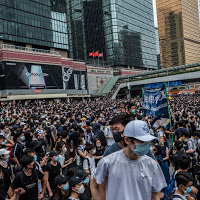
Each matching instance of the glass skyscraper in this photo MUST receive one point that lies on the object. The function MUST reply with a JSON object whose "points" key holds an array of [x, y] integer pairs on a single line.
{"points": [[179, 32], [41, 23], [122, 29]]}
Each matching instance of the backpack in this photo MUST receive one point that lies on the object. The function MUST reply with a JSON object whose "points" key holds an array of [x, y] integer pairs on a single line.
{"points": [[80, 167], [170, 189]]}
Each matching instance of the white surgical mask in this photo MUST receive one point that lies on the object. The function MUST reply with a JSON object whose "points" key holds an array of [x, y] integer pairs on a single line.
{"points": [[81, 189], [71, 150]]}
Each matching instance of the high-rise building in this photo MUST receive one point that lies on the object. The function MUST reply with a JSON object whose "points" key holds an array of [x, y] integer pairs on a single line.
{"points": [[122, 30], [199, 10], [34, 49], [179, 33], [36, 23]]}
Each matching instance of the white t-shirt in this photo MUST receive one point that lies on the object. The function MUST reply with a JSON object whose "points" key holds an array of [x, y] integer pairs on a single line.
{"points": [[91, 164], [129, 179], [108, 132], [61, 159]]}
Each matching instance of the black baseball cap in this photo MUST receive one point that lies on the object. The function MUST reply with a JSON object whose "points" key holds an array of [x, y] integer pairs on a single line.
{"points": [[53, 153], [78, 177], [60, 179], [81, 173]]}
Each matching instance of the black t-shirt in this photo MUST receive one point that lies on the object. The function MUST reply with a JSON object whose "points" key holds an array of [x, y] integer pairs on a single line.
{"points": [[176, 157], [3, 192], [53, 172], [185, 123], [28, 183], [7, 175], [99, 152], [193, 127], [17, 151]]}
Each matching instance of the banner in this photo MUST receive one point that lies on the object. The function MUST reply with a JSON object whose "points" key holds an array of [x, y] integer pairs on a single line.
{"points": [[67, 73], [73, 79], [155, 102], [83, 82], [76, 81], [168, 84]]}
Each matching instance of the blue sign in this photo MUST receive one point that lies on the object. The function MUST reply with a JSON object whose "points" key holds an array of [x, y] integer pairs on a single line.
{"points": [[158, 85], [155, 102]]}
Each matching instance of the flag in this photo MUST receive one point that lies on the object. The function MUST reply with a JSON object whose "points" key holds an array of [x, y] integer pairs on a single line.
{"points": [[76, 81], [155, 102], [96, 54], [83, 82], [159, 121], [100, 54], [91, 54]]}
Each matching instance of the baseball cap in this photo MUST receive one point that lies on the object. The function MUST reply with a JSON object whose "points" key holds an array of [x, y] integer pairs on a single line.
{"points": [[75, 180], [60, 179], [82, 174], [53, 153], [139, 130], [4, 152], [35, 144]]}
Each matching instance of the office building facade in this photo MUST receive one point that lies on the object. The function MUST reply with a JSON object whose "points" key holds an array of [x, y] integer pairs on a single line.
{"points": [[39, 23], [122, 30], [34, 51], [179, 32]]}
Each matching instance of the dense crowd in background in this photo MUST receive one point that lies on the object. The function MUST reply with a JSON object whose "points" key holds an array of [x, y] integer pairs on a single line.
{"points": [[56, 149]]}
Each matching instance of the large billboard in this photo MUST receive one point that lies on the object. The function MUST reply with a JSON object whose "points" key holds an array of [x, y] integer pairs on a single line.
{"points": [[73, 79], [31, 76]]}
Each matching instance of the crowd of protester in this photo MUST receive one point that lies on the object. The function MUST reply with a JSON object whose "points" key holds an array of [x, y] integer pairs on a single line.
{"points": [[98, 149]]}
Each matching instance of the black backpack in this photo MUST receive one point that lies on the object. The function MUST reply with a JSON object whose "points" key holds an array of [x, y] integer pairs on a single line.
{"points": [[80, 167]]}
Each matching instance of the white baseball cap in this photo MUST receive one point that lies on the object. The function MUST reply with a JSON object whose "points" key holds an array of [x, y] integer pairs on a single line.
{"points": [[139, 130], [4, 152]]}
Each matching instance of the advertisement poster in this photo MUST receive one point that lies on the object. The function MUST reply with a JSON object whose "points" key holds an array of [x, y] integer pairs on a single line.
{"points": [[73, 79], [32, 76]]}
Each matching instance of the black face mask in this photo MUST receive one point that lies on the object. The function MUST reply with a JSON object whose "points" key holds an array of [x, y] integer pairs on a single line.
{"points": [[117, 136]]}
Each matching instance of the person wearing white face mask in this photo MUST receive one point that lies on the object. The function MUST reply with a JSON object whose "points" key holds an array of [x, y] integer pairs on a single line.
{"points": [[5, 166], [140, 177], [76, 187], [184, 182], [63, 150], [71, 154], [89, 161]]}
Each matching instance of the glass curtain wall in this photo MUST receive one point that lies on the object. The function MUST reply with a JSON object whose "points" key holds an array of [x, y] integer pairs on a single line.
{"points": [[34, 22], [123, 30]]}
